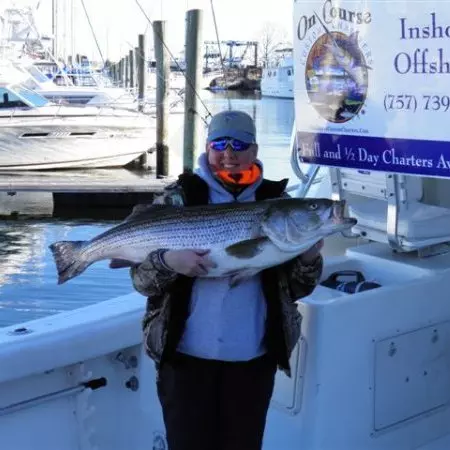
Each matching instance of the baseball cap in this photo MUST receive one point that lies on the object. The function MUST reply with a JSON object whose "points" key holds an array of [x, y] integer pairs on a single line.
{"points": [[233, 124]]}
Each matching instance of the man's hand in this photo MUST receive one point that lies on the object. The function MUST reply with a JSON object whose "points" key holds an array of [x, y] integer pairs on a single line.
{"points": [[311, 254], [193, 263]]}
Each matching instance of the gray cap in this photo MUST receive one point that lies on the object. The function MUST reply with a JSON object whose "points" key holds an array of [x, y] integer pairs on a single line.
{"points": [[234, 124]]}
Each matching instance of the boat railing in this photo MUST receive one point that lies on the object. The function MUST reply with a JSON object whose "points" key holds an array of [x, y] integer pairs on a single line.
{"points": [[306, 179], [13, 111], [57, 113]]}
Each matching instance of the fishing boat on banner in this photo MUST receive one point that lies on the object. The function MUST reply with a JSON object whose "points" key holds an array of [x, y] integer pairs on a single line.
{"points": [[372, 368]]}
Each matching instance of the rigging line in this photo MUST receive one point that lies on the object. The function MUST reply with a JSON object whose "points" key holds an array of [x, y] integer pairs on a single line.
{"points": [[176, 62], [49, 53], [176, 91], [220, 53], [28, 34], [93, 32], [140, 54]]}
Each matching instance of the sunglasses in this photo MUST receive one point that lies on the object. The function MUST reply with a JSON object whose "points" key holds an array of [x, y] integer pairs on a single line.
{"points": [[221, 144]]}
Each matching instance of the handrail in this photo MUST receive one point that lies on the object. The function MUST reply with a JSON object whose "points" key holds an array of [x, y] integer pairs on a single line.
{"points": [[308, 179]]}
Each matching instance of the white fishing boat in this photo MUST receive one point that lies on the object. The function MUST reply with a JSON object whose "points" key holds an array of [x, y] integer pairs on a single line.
{"points": [[278, 81], [38, 134], [372, 368]]}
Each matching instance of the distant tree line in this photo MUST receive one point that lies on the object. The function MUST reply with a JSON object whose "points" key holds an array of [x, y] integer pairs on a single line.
{"points": [[271, 38]]}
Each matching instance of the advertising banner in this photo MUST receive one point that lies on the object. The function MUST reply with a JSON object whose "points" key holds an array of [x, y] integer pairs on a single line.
{"points": [[372, 84]]}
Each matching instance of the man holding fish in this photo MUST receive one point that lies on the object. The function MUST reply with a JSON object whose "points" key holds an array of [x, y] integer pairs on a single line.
{"points": [[218, 340], [222, 256]]}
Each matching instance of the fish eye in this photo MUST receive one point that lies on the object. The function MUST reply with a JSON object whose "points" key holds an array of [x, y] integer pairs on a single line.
{"points": [[313, 206]]}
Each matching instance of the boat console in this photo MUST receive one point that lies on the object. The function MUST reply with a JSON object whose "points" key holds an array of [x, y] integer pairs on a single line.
{"points": [[372, 369]]}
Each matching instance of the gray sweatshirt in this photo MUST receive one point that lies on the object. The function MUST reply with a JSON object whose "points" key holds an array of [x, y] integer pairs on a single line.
{"points": [[225, 323]]}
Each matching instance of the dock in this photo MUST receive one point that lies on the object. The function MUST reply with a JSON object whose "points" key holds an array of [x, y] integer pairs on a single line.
{"points": [[100, 193], [88, 181]]}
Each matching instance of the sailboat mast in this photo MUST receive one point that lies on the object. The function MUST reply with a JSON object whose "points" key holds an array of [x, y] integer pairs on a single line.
{"points": [[55, 28]]}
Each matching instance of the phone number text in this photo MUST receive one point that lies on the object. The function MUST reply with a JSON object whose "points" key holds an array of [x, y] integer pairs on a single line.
{"points": [[406, 102]]}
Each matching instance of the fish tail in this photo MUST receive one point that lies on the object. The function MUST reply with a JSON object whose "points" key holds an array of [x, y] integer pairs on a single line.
{"points": [[68, 260]]}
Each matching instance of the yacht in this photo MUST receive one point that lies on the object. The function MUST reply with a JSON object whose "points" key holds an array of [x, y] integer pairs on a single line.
{"points": [[70, 89], [38, 134]]}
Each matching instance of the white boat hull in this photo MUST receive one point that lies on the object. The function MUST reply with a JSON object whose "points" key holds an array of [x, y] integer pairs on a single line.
{"points": [[371, 371], [278, 81], [273, 88], [35, 142]]}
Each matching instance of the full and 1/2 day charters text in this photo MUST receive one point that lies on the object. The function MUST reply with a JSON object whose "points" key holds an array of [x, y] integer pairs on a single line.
{"points": [[389, 157]]}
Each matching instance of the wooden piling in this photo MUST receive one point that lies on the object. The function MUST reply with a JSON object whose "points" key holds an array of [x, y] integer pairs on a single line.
{"points": [[132, 69], [120, 77], [136, 63], [142, 72], [162, 98], [127, 71], [193, 74]]}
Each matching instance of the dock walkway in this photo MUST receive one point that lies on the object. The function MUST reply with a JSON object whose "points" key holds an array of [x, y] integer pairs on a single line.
{"points": [[89, 181]]}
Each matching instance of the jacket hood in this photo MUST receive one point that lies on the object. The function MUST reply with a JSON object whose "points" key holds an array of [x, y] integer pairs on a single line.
{"points": [[218, 192]]}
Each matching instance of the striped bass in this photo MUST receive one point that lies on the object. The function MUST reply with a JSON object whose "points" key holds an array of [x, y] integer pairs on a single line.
{"points": [[243, 238]]}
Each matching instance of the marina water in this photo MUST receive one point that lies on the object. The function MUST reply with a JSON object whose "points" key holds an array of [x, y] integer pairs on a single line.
{"points": [[28, 278]]}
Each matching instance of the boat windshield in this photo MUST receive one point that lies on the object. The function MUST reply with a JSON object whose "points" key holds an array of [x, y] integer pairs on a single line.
{"points": [[31, 98], [81, 79], [9, 99], [38, 75]]}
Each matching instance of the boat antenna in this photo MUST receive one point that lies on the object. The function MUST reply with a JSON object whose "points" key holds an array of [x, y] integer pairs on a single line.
{"points": [[138, 3], [93, 32], [220, 53]]}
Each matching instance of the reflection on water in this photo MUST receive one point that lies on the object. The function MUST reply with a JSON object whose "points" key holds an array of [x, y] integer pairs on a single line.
{"points": [[28, 280]]}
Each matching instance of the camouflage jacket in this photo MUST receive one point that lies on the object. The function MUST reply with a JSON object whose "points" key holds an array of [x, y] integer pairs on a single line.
{"points": [[168, 293]]}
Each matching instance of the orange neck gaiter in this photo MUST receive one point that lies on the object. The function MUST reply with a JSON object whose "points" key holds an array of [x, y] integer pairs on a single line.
{"points": [[243, 178]]}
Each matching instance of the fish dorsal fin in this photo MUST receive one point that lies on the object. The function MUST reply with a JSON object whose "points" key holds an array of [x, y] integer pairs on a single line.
{"points": [[140, 212]]}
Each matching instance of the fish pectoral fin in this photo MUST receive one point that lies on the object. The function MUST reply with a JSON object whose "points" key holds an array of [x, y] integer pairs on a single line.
{"points": [[242, 275], [120, 263], [246, 249]]}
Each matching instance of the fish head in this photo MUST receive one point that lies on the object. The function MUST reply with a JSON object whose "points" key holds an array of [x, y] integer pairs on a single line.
{"points": [[340, 54], [347, 53], [291, 222], [307, 214]]}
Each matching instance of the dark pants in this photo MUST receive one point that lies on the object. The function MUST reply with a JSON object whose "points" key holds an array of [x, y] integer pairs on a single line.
{"points": [[215, 405]]}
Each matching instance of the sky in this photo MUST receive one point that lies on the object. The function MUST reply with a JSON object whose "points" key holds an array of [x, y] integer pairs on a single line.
{"points": [[117, 23]]}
